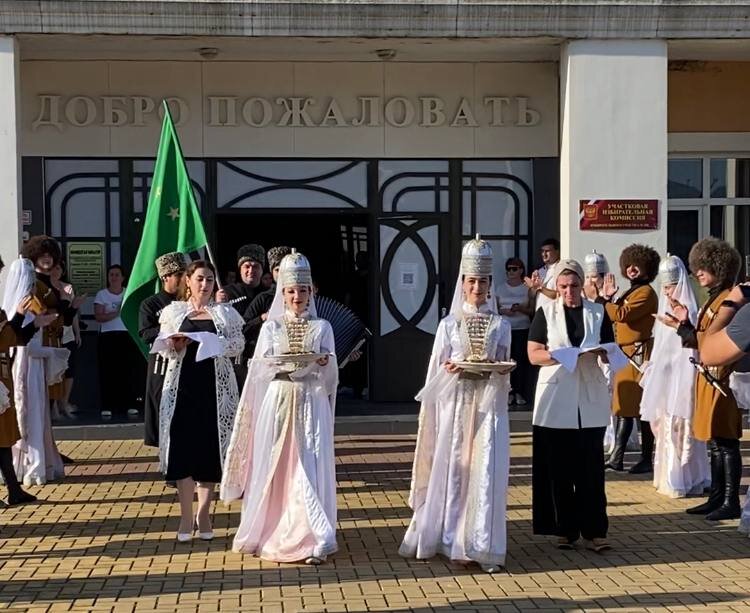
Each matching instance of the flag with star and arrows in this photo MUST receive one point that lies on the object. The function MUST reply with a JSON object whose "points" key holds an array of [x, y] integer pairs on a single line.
{"points": [[173, 223]]}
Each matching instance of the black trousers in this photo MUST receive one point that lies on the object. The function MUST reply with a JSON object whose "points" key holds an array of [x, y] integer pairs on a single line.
{"points": [[568, 497], [520, 376], [154, 382], [122, 372]]}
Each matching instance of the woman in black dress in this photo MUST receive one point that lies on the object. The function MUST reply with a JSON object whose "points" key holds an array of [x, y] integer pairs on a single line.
{"points": [[199, 398]]}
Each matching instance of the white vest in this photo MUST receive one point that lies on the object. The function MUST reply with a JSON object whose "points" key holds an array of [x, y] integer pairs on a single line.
{"points": [[561, 395]]}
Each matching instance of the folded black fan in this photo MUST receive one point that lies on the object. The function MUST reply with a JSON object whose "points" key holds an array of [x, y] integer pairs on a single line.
{"points": [[349, 333]]}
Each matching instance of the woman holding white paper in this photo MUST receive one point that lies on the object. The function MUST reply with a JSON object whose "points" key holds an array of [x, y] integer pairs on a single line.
{"points": [[281, 458], [571, 413], [199, 397]]}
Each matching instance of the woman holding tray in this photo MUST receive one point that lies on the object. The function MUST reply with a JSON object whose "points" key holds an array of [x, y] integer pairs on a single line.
{"points": [[281, 454], [571, 412], [199, 398], [460, 475]]}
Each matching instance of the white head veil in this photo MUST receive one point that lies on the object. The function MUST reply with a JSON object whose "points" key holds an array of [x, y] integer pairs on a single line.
{"points": [[18, 285], [293, 270], [476, 260], [669, 379]]}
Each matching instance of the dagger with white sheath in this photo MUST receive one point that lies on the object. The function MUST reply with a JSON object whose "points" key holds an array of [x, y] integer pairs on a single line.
{"points": [[713, 381]]}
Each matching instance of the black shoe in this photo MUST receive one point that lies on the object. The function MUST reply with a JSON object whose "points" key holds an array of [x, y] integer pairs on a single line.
{"points": [[707, 507], [716, 495], [67, 460], [725, 512], [732, 464], [618, 468], [20, 497], [641, 468]]}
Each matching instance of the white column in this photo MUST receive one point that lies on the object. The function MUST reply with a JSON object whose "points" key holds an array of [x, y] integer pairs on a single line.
{"points": [[10, 150], [613, 141]]}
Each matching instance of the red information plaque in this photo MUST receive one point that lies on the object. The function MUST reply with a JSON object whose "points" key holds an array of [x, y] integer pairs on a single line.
{"points": [[619, 214]]}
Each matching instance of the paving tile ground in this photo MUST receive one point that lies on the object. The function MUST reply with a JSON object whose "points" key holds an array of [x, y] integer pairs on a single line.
{"points": [[104, 540]]}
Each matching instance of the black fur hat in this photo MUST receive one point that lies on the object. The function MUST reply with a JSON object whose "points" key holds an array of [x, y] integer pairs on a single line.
{"points": [[37, 246], [642, 256], [717, 257], [276, 254], [253, 252]]}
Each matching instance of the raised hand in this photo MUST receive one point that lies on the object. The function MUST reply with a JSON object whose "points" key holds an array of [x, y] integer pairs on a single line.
{"points": [[590, 290], [534, 281], [609, 288], [679, 311]]}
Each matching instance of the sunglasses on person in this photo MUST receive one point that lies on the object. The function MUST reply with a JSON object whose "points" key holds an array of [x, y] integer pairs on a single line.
{"points": [[512, 268]]}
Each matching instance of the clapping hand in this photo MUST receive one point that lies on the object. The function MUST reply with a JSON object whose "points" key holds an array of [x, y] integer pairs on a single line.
{"points": [[24, 305], [590, 290], [678, 315], [609, 289], [534, 281]]}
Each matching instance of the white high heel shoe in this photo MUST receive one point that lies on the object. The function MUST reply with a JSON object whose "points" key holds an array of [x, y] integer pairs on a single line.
{"points": [[184, 537], [204, 536]]}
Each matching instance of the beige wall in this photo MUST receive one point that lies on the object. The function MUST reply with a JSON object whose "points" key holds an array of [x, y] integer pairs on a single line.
{"points": [[709, 96], [532, 85]]}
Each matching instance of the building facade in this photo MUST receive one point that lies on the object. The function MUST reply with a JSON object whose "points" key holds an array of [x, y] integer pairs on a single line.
{"points": [[396, 130]]}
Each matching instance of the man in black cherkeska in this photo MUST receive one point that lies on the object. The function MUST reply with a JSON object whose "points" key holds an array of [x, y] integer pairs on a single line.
{"points": [[170, 267], [250, 261], [256, 312]]}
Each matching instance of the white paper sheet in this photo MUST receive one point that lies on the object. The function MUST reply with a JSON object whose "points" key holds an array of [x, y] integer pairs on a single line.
{"points": [[568, 356], [209, 344]]}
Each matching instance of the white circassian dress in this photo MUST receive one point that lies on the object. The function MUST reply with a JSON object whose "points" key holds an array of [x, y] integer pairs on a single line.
{"points": [[281, 456], [35, 367], [461, 463], [681, 466]]}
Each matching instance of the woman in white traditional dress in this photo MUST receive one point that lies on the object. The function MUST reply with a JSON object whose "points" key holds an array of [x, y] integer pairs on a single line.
{"points": [[460, 476], [681, 462], [281, 456], [35, 367], [17, 327], [199, 398]]}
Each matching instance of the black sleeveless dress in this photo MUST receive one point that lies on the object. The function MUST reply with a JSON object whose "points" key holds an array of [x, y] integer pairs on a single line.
{"points": [[194, 433]]}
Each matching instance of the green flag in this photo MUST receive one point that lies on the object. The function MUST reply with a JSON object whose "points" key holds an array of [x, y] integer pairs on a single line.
{"points": [[173, 223]]}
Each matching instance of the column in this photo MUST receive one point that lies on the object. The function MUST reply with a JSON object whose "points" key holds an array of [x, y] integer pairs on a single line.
{"points": [[613, 139], [10, 150]]}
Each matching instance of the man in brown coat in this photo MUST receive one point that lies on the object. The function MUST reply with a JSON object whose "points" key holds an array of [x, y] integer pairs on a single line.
{"points": [[633, 317], [717, 418]]}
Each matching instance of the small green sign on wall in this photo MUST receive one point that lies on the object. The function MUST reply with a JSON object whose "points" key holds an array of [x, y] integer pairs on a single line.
{"points": [[86, 266]]}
